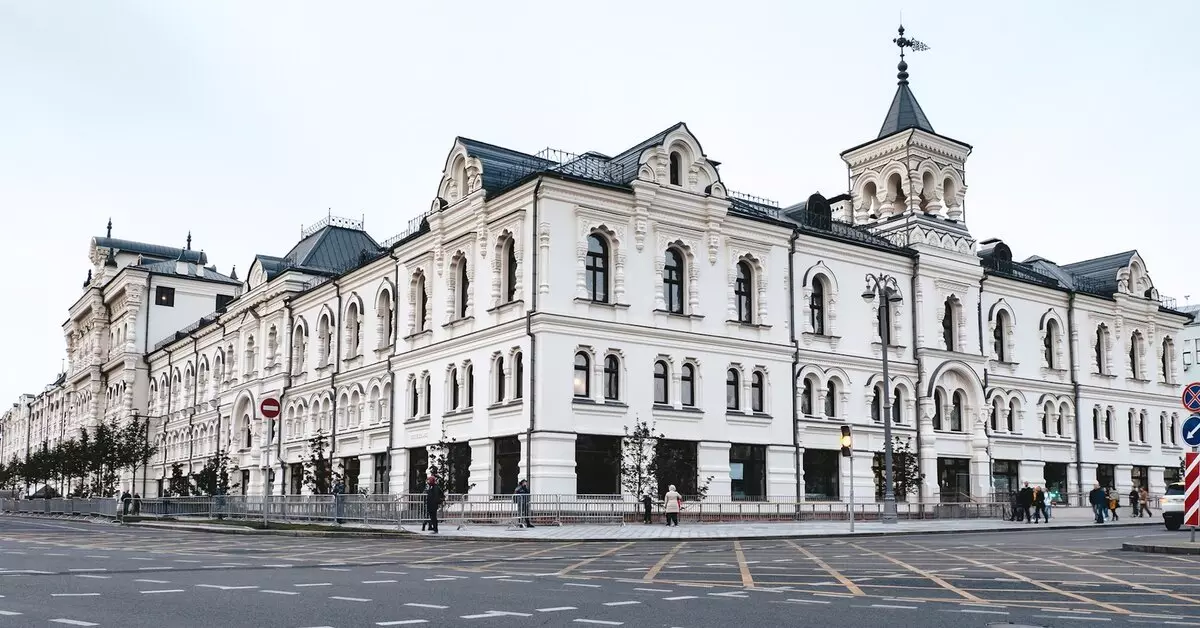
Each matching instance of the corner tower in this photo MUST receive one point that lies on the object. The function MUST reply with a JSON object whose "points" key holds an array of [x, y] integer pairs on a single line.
{"points": [[909, 184]]}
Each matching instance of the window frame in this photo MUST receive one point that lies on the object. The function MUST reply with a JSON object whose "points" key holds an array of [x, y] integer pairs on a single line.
{"points": [[612, 377], [742, 292], [673, 279], [582, 375], [758, 391], [662, 373], [687, 385], [597, 264], [164, 296], [733, 386]]}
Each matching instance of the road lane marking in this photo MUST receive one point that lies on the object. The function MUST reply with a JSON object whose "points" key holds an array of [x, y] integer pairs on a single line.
{"points": [[89, 575], [583, 563], [279, 592], [743, 566], [163, 591], [402, 622], [89, 569], [921, 572], [556, 609], [417, 605], [624, 603], [73, 622], [899, 606], [1076, 618], [316, 584], [223, 587], [580, 584], [600, 622], [9, 613], [837, 575], [680, 597], [74, 594], [375, 582], [652, 590], [349, 599]]}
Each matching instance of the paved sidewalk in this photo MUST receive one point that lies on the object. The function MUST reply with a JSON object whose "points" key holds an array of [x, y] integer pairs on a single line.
{"points": [[1063, 518]]}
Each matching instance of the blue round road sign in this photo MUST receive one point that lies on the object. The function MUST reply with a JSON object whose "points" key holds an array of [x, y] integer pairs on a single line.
{"points": [[1191, 397], [1191, 430]]}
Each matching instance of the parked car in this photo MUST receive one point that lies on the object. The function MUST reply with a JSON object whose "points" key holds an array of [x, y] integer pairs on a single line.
{"points": [[1171, 506]]}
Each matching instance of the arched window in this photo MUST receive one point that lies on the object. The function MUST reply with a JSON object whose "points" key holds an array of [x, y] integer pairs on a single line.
{"points": [[676, 168], [463, 292], [660, 383], [1129, 427], [453, 383], [808, 397], [816, 306], [421, 302], [1135, 357], [1050, 344], [673, 281], [499, 375], [687, 391], [1102, 349], [831, 408], [612, 377], [1168, 354], [353, 331], [596, 268], [247, 433], [299, 344], [385, 312], [877, 403], [469, 381], [428, 394], [939, 404], [1108, 425], [1012, 416], [1096, 421], [518, 370], [957, 411], [948, 324], [741, 292], [1141, 427], [1047, 416], [733, 392], [582, 379], [1162, 428], [994, 418], [1001, 335], [509, 278], [881, 324], [1172, 428], [896, 398], [758, 386]]}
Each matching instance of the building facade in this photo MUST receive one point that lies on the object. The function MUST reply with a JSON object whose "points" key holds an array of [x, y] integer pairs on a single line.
{"points": [[545, 303]]}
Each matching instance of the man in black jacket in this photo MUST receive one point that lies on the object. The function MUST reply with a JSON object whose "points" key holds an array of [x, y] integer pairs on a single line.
{"points": [[1025, 501], [433, 501], [1099, 501]]}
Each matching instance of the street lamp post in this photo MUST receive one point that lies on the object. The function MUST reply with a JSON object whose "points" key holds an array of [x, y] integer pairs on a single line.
{"points": [[886, 289]]}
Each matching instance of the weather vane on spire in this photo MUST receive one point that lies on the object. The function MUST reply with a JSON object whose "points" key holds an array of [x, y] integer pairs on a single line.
{"points": [[906, 42]]}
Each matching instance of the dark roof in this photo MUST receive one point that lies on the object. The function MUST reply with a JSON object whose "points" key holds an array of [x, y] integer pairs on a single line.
{"points": [[271, 265], [503, 166], [1101, 267], [195, 271], [905, 113], [331, 249], [151, 250], [813, 216]]}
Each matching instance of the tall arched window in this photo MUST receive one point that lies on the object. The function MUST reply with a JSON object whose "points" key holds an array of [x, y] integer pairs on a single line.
{"points": [[1001, 335], [673, 281], [896, 399], [385, 312], [741, 292], [1108, 425], [421, 303], [499, 375], [453, 383], [660, 383], [428, 394], [733, 390], [994, 417], [808, 397], [1129, 427], [1135, 356], [881, 324], [612, 378], [518, 370], [353, 330], [948, 324], [831, 408], [1141, 427], [1047, 417], [757, 391], [1096, 421], [414, 399], [958, 411], [1012, 416], [469, 381], [582, 375], [1168, 354], [939, 405], [877, 403], [687, 379], [463, 293], [816, 306], [596, 268], [676, 168], [510, 271], [1102, 349], [1050, 344]]}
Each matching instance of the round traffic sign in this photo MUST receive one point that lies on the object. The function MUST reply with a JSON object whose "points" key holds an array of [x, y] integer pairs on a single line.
{"points": [[269, 407], [1191, 397], [1191, 430]]}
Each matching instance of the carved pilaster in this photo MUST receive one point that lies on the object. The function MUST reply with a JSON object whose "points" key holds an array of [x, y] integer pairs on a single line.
{"points": [[543, 244], [640, 220]]}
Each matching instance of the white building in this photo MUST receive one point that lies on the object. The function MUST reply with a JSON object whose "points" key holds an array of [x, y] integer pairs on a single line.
{"points": [[545, 302]]}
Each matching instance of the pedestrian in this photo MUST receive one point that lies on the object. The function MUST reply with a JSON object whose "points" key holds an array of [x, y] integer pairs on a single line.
{"points": [[137, 504], [339, 491], [433, 501], [126, 501], [1039, 506], [1097, 498], [521, 497], [647, 501], [1114, 502], [1144, 502], [1024, 502], [1014, 505], [1134, 501], [672, 504], [424, 492]]}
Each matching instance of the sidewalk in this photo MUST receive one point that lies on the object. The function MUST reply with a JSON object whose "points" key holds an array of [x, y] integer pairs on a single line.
{"points": [[1063, 519]]}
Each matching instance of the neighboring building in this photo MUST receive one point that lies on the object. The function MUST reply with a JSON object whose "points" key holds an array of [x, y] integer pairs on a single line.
{"points": [[135, 294], [546, 302]]}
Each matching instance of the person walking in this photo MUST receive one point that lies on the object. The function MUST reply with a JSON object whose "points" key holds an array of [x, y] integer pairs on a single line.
{"points": [[1114, 502], [647, 504], [1014, 505], [1098, 499], [672, 504], [1134, 501], [521, 497], [339, 494], [1039, 506], [1024, 502], [424, 498], [1144, 502], [433, 501]]}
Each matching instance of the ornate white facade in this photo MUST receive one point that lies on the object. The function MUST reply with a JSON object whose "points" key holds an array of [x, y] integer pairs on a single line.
{"points": [[545, 302]]}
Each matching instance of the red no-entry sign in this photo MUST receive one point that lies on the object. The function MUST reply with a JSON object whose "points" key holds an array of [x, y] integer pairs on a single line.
{"points": [[269, 407]]}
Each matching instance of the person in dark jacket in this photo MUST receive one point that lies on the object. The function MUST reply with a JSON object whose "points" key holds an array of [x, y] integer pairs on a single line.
{"points": [[1133, 503], [1039, 506], [521, 497], [647, 503], [433, 501], [1098, 498], [1025, 502]]}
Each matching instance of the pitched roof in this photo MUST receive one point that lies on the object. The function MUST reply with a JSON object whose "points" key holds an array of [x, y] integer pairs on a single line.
{"points": [[330, 249], [905, 113], [151, 250], [503, 166], [186, 269]]}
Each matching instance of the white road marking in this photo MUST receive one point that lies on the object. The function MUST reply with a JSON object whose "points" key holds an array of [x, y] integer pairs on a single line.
{"points": [[580, 584], [153, 581], [278, 592], [73, 622], [181, 560], [314, 584], [9, 613], [600, 622], [394, 573], [333, 569], [897, 606], [792, 599], [377, 581], [437, 606], [556, 609], [652, 590], [89, 569], [154, 568], [402, 622], [139, 558], [1076, 618], [349, 599], [496, 614], [494, 577], [625, 603], [92, 556], [226, 588], [88, 575], [438, 579], [679, 597], [74, 594], [975, 611], [163, 591], [515, 580]]}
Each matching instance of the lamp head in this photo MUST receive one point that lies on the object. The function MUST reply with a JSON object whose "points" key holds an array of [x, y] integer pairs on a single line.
{"points": [[868, 295]]}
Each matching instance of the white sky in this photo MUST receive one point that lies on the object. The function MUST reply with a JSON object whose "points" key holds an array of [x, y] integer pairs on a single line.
{"points": [[243, 120]]}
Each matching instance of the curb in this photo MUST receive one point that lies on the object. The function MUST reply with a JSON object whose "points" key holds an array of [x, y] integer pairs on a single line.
{"points": [[451, 538], [1149, 548]]}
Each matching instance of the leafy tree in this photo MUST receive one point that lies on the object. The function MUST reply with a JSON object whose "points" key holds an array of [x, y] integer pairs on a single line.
{"points": [[179, 484], [450, 463], [319, 474], [649, 461], [906, 470], [637, 457], [213, 479]]}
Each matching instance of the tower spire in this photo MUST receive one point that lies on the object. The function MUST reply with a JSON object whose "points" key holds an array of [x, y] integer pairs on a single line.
{"points": [[109, 234], [905, 113], [905, 42], [189, 240]]}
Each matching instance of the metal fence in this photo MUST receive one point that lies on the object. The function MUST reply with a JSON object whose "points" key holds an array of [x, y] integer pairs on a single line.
{"points": [[406, 511]]}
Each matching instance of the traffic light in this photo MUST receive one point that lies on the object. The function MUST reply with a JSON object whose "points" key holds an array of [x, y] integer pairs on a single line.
{"points": [[847, 441]]}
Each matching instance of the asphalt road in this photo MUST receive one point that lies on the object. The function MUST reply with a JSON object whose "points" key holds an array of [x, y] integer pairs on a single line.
{"points": [[69, 573]]}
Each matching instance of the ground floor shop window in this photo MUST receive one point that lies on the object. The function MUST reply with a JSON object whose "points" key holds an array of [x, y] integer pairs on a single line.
{"points": [[1005, 479], [597, 465], [676, 463], [1106, 475], [748, 472], [350, 469], [822, 479], [296, 478], [1171, 475], [1140, 476], [245, 481], [506, 462], [383, 471], [458, 468], [954, 479], [418, 464], [1056, 481]]}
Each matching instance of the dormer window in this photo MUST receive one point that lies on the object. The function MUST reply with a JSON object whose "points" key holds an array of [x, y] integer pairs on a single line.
{"points": [[676, 168]]}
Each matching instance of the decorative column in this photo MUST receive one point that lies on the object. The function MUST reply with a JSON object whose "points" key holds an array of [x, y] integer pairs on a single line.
{"points": [[480, 472], [930, 493], [366, 472], [981, 462]]}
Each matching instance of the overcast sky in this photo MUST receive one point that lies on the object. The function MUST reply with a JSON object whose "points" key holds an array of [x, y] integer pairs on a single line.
{"points": [[241, 121]]}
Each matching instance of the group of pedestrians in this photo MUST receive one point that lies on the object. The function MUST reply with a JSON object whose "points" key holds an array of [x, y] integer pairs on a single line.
{"points": [[672, 504], [1031, 505], [1105, 503]]}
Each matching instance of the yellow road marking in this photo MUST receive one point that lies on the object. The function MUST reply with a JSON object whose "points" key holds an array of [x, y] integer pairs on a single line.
{"points": [[1028, 580], [837, 575], [585, 562], [662, 562], [529, 555], [921, 572], [747, 579]]}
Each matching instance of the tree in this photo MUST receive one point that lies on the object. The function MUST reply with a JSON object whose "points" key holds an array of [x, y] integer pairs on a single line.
{"points": [[213, 479], [178, 485], [319, 474], [637, 456], [134, 447], [450, 463], [906, 470], [649, 461]]}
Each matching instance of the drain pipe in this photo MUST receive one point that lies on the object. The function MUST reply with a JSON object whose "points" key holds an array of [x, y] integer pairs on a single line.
{"points": [[1074, 392], [336, 323], [795, 366], [912, 304], [395, 336], [533, 300]]}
